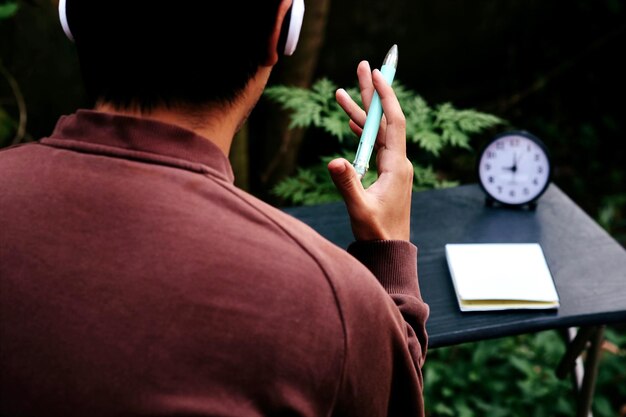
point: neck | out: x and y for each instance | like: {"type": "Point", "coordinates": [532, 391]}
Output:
{"type": "Point", "coordinates": [215, 123]}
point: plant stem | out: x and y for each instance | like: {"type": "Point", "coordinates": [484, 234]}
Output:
{"type": "Point", "coordinates": [21, 104]}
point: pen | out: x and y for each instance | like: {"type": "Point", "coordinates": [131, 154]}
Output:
{"type": "Point", "coordinates": [374, 115]}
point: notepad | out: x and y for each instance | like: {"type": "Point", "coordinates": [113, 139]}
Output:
{"type": "Point", "coordinates": [501, 276]}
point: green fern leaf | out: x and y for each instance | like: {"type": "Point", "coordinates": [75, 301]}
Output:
{"type": "Point", "coordinates": [336, 126]}
{"type": "Point", "coordinates": [308, 114]}
{"type": "Point", "coordinates": [8, 9]}
{"type": "Point", "coordinates": [471, 121]}
{"type": "Point", "coordinates": [307, 187]}
{"type": "Point", "coordinates": [444, 113]}
{"type": "Point", "coordinates": [428, 140]}
{"type": "Point", "coordinates": [454, 136]}
{"type": "Point", "coordinates": [324, 88]}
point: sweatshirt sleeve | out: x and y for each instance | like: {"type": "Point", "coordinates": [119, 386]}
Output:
{"type": "Point", "coordinates": [394, 264]}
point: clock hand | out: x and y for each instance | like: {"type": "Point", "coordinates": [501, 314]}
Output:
{"type": "Point", "coordinates": [513, 167]}
{"type": "Point", "coordinates": [515, 162]}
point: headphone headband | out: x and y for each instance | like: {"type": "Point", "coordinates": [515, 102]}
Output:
{"type": "Point", "coordinates": [294, 20]}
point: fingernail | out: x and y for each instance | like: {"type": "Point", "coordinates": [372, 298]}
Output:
{"type": "Point", "coordinates": [341, 169]}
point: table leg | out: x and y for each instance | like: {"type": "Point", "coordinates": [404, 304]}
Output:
{"type": "Point", "coordinates": [589, 338]}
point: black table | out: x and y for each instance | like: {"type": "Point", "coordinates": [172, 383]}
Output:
{"type": "Point", "coordinates": [588, 265]}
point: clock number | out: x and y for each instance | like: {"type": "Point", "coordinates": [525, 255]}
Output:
{"type": "Point", "coordinates": [491, 155]}
{"type": "Point", "coordinates": [499, 189]}
{"type": "Point", "coordinates": [528, 148]}
{"type": "Point", "coordinates": [526, 191]}
{"type": "Point", "coordinates": [512, 193]}
{"type": "Point", "coordinates": [535, 181]}
{"type": "Point", "coordinates": [514, 142]}
{"type": "Point", "coordinates": [499, 145]}
{"type": "Point", "coordinates": [539, 170]}
{"type": "Point", "coordinates": [537, 157]}
{"type": "Point", "coordinates": [487, 167]}
{"type": "Point", "coordinates": [491, 179]}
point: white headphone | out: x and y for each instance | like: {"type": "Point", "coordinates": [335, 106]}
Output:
{"type": "Point", "coordinates": [295, 25]}
{"type": "Point", "coordinates": [295, 17]}
{"type": "Point", "coordinates": [63, 18]}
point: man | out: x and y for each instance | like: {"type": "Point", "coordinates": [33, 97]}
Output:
{"type": "Point", "coordinates": [136, 279]}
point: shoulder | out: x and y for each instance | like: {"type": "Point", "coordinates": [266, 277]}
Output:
{"type": "Point", "coordinates": [19, 149]}
{"type": "Point", "coordinates": [328, 255]}
{"type": "Point", "coordinates": [356, 289]}
{"type": "Point", "coordinates": [20, 160]}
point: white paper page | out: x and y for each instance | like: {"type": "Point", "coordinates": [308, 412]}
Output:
{"type": "Point", "coordinates": [500, 272]}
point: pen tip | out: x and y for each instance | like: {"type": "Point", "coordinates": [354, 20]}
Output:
{"type": "Point", "coordinates": [392, 56]}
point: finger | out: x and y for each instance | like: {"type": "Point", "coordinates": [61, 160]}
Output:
{"type": "Point", "coordinates": [381, 137]}
{"type": "Point", "coordinates": [395, 129]}
{"type": "Point", "coordinates": [352, 109]}
{"type": "Point", "coordinates": [364, 73]}
{"type": "Point", "coordinates": [357, 115]}
{"type": "Point", "coordinates": [347, 181]}
{"type": "Point", "coordinates": [358, 130]}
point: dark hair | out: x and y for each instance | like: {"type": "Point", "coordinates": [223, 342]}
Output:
{"type": "Point", "coordinates": [185, 52]}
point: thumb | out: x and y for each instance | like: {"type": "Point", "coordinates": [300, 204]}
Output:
{"type": "Point", "coordinates": [346, 180]}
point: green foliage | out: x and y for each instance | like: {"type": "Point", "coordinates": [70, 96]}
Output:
{"type": "Point", "coordinates": [312, 108]}
{"type": "Point", "coordinates": [8, 9]}
{"type": "Point", "coordinates": [307, 187]}
{"type": "Point", "coordinates": [313, 185]}
{"type": "Point", "coordinates": [610, 394]}
{"type": "Point", "coordinates": [515, 376]}
{"type": "Point", "coordinates": [7, 124]}
{"type": "Point", "coordinates": [7, 128]}
{"type": "Point", "coordinates": [612, 216]}
{"type": "Point", "coordinates": [429, 131]}
{"type": "Point", "coordinates": [426, 178]}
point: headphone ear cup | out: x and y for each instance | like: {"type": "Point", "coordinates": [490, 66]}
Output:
{"type": "Point", "coordinates": [64, 21]}
{"type": "Point", "coordinates": [292, 25]}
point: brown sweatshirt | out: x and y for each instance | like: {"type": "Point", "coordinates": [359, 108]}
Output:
{"type": "Point", "coordinates": [137, 280]}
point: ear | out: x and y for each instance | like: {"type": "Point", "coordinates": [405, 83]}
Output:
{"type": "Point", "coordinates": [272, 51]}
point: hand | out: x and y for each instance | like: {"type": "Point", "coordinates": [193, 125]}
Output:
{"type": "Point", "coordinates": [513, 168]}
{"type": "Point", "coordinates": [382, 211]}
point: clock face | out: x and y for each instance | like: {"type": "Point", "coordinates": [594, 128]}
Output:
{"type": "Point", "coordinates": [514, 168]}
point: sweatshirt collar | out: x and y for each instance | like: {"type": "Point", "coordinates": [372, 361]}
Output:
{"type": "Point", "coordinates": [139, 139]}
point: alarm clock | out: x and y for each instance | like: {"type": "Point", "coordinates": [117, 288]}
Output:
{"type": "Point", "coordinates": [514, 169]}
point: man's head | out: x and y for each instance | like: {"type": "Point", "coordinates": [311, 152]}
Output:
{"type": "Point", "coordinates": [145, 54]}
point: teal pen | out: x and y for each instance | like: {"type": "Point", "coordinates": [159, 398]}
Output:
{"type": "Point", "coordinates": [374, 115]}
